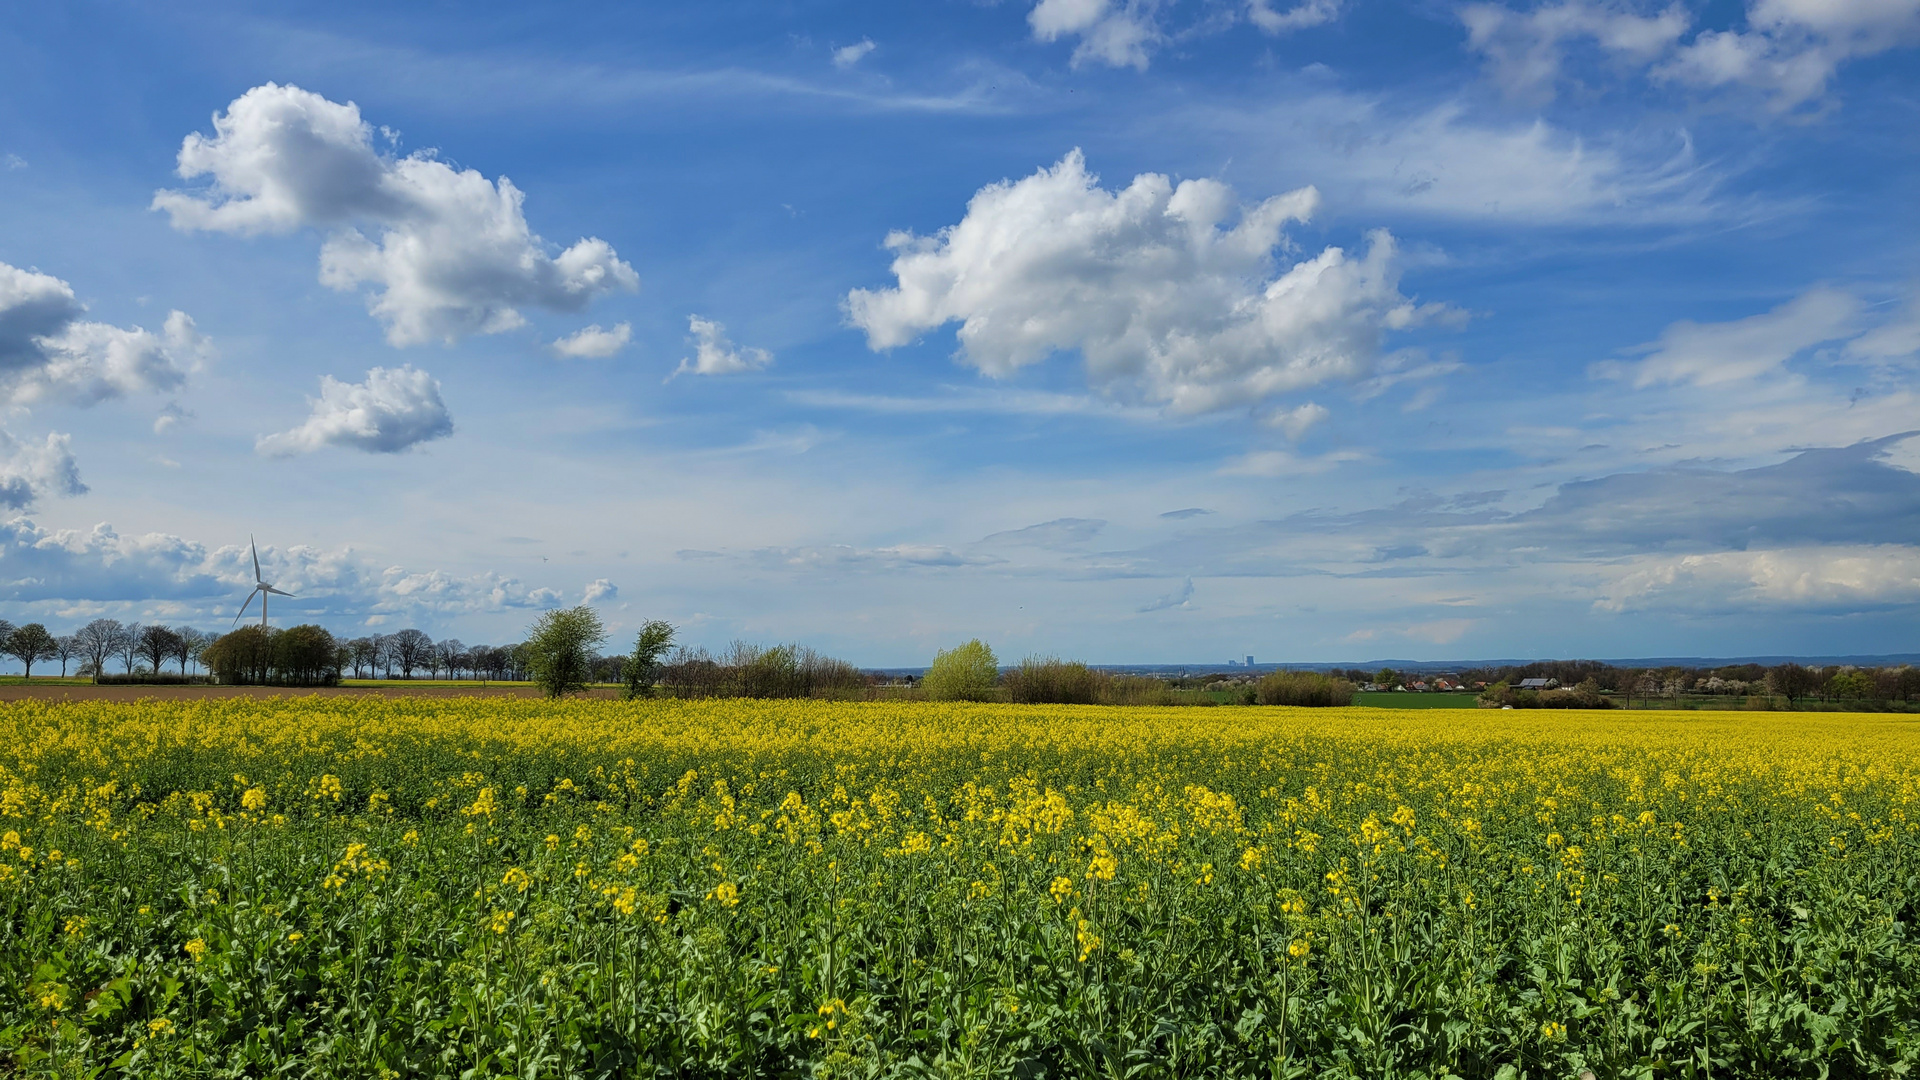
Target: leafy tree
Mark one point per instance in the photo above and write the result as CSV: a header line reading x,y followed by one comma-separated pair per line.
x,y
98,640
30,643
642,668
242,656
964,673
1851,684
560,649
304,656
408,649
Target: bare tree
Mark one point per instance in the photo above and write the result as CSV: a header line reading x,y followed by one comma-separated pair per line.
x,y
188,643
156,645
98,640
65,648
127,644
453,656
410,649
364,651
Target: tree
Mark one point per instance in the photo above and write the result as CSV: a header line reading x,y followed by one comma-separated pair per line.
x,y
642,668
242,656
453,657
29,643
365,650
156,645
560,649
409,649
98,640
65,648
188,645
964,673
127,644
304,656
1792,681
1851,684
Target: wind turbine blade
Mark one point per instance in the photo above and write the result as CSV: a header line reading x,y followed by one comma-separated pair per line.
x,y
275,591
256,560
244,606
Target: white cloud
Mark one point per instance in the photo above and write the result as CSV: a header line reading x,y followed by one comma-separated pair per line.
x,y
452,253
99,566
1117,34
592,342
394,409
1298,17
1179,598
848,55
1169,293
1836,576
49,353
15,162
1705,354
599,589
715,355
1277,463
1788,51
1297,421
172,414
30,471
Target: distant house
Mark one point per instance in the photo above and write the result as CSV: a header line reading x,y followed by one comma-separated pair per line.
x,y
1539,684
1418,687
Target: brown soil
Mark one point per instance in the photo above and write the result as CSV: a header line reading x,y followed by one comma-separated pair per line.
x,y
23,692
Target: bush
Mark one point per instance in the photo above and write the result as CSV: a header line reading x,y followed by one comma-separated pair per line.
x,y
1052,681
148,678
755,671
1302,688
964,673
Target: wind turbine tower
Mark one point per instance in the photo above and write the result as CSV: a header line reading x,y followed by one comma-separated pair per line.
x,y
260,589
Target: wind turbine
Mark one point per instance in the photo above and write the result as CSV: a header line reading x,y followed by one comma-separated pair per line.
x,y
260,589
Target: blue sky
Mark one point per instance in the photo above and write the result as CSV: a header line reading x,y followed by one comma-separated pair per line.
x,y
1129,332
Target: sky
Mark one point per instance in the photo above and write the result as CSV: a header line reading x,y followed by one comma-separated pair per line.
x,y
1148,331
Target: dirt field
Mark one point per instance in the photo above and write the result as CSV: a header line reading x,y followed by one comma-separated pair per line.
x,y
21,692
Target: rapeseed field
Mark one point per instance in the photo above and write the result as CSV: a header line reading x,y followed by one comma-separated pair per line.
x,y
337,887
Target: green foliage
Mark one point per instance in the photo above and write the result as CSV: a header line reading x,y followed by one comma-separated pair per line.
x,y
1851,684
30,643
303,655
964,673
642,667
1302,688
1584,696
560,649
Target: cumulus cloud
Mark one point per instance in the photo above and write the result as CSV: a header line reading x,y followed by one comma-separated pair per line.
x,y
715,355
1705,354
848,55
31,471
599,589
593,343
394,409
1117,34
100,566
1168,293
1845,578
49,353
450,253
1788,51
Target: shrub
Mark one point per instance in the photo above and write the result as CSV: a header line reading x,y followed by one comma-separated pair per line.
x,y
1052,681
1584,696
964,673
1302,688
148,678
